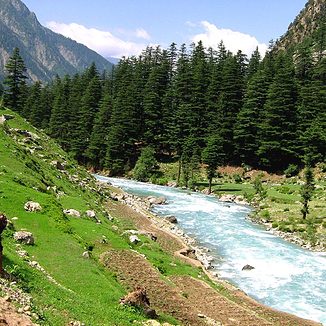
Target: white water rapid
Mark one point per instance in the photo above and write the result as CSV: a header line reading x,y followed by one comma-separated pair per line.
x,y
286,277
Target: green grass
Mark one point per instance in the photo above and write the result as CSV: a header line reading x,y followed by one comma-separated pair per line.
x,y
94,292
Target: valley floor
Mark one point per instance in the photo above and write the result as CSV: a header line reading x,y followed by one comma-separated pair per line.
x,y
190,300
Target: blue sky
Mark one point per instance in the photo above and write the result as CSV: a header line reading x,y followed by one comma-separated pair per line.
x,y
124,27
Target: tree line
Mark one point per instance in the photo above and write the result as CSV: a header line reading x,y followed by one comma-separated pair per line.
x,y
190,104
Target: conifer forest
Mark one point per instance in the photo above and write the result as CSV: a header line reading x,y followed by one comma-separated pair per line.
x,y
189,104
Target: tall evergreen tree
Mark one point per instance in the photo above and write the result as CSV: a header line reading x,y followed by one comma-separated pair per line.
x,y
15,82
247,125
96,150
278,137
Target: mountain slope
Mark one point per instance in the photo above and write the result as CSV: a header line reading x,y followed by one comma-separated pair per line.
x,y
309,23
45,53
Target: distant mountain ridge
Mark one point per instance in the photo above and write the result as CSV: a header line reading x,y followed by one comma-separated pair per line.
x,y
45,53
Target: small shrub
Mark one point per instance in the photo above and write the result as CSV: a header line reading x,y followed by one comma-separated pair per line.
x,y
237,178
275,225
292,170
265,214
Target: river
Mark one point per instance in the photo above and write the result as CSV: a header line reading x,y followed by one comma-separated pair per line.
x,y
286,277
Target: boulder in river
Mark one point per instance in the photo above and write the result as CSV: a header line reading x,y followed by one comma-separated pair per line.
x,y
156,200
171,219
247,267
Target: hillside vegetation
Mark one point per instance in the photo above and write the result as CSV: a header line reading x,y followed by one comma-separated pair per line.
x,y
79,268
71,287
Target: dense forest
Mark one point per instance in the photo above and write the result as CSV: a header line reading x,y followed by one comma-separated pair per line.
x,y
193,105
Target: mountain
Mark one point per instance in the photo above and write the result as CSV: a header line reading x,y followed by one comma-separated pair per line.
x,y
45,53
308,25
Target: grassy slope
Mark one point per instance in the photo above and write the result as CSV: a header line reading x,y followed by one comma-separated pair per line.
x,y
89,292
281,207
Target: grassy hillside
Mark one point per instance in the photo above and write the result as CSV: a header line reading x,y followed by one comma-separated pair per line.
x,y
83,289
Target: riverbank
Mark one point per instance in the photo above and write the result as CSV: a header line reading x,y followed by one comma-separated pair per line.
x,y
174,240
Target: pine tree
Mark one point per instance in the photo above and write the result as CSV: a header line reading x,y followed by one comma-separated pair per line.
x,y
124,135
307,188
247,125
15,82
89,107
96,150
213,156
229,103
31,107
278,137
59,125
254,64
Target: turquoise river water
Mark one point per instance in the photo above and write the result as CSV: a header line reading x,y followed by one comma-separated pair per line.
x,y
286,277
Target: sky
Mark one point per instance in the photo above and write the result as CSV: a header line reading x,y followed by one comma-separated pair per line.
x,y
116,28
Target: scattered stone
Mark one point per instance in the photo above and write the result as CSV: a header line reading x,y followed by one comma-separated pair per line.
x,y
156,200
14,218
201,316
115,228
86,254
171,219
5,117
134,239
72,212
31,206
27,308
247,267
91,214
58,165
76,323
24,237
22,253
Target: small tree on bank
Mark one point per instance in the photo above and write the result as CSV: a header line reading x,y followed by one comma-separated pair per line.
x,y
146,165
307,188
212,156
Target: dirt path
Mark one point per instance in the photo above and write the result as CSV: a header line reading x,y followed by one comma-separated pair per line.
x,y
182,296
9,316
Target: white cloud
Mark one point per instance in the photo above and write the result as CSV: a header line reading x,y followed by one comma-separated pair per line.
x,y
233,41
103,42
141,33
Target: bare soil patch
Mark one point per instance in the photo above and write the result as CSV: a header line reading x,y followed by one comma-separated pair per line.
x,y
9,316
